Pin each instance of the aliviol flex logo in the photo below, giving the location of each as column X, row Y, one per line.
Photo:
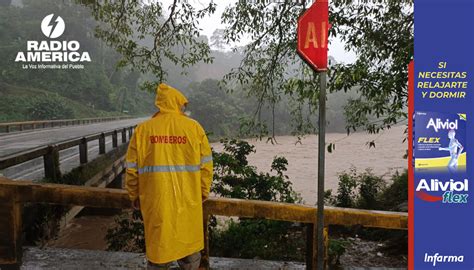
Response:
column 53, row 51
column 446, row 192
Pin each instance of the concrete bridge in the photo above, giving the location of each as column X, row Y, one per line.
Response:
column 44, row 150
column 20, row 143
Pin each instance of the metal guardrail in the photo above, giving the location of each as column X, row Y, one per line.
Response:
column 50, row 153
column 13, row 194
column 30, row 125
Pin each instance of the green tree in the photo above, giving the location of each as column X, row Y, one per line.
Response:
column 49, row 107
column 379, row 32
column 235, row 178
column 217, row 112
column 100, row 88
column 148, row 38
column 217, row 39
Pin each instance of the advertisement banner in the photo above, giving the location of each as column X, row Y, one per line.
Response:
column 442, row 209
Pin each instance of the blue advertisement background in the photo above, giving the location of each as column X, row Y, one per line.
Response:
column 444, row 32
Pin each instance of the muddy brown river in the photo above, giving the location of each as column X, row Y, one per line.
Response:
column 88, row 231
column 351, row 151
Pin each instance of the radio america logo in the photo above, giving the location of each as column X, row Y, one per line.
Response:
column 53, row 26
column 452, row 192
column 63, row 54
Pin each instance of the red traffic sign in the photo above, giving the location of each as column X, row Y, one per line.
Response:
column 313, row 27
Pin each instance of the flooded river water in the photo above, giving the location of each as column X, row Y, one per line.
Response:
column 352, row 151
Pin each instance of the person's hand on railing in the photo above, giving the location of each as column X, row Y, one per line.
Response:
column 136, row 204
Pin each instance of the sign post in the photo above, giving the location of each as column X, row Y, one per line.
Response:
column 321, row 166
column 313, row 28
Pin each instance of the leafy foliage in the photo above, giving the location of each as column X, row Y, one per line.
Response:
column 270, row 67
column 128, row 234
column 379, row 32
column 216, row 111
column 234, row 178
column 264, row 239
column 345, row 191
column 368, row 191
column 337, row 247
column 382, row 34
column 49, row 107
column 147, row 38
column 395, row 196
column 105, row 88
column 249, row 238
column 16, row 104
column 99, row 88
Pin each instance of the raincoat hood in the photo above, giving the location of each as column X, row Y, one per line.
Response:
column 169, row 99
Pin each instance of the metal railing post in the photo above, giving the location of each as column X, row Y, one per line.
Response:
column 102, row 144
column 114, row 139
column 83, row 151
column 124, row 135
column 52, row 170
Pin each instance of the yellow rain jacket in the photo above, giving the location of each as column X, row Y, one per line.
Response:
column 169, row 168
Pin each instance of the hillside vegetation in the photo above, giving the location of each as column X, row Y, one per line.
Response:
column 22, row 103
column 105, row 87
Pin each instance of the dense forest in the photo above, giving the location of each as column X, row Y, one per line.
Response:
column 104, row 87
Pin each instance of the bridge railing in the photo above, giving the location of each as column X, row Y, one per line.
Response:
column 13, row 194
column 50, row 153
column 24, row 125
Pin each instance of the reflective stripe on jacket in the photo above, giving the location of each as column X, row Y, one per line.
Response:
column 169, row 168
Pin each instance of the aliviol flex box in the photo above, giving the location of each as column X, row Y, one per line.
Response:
column 440, row 141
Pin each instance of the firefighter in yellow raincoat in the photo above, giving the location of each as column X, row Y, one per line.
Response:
column 169, row 173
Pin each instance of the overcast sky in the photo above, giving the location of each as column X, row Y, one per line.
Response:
column 213, row 22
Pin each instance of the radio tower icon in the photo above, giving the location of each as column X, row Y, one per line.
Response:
column 52, row 26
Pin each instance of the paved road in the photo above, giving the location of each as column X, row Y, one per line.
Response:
column 13, row 143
